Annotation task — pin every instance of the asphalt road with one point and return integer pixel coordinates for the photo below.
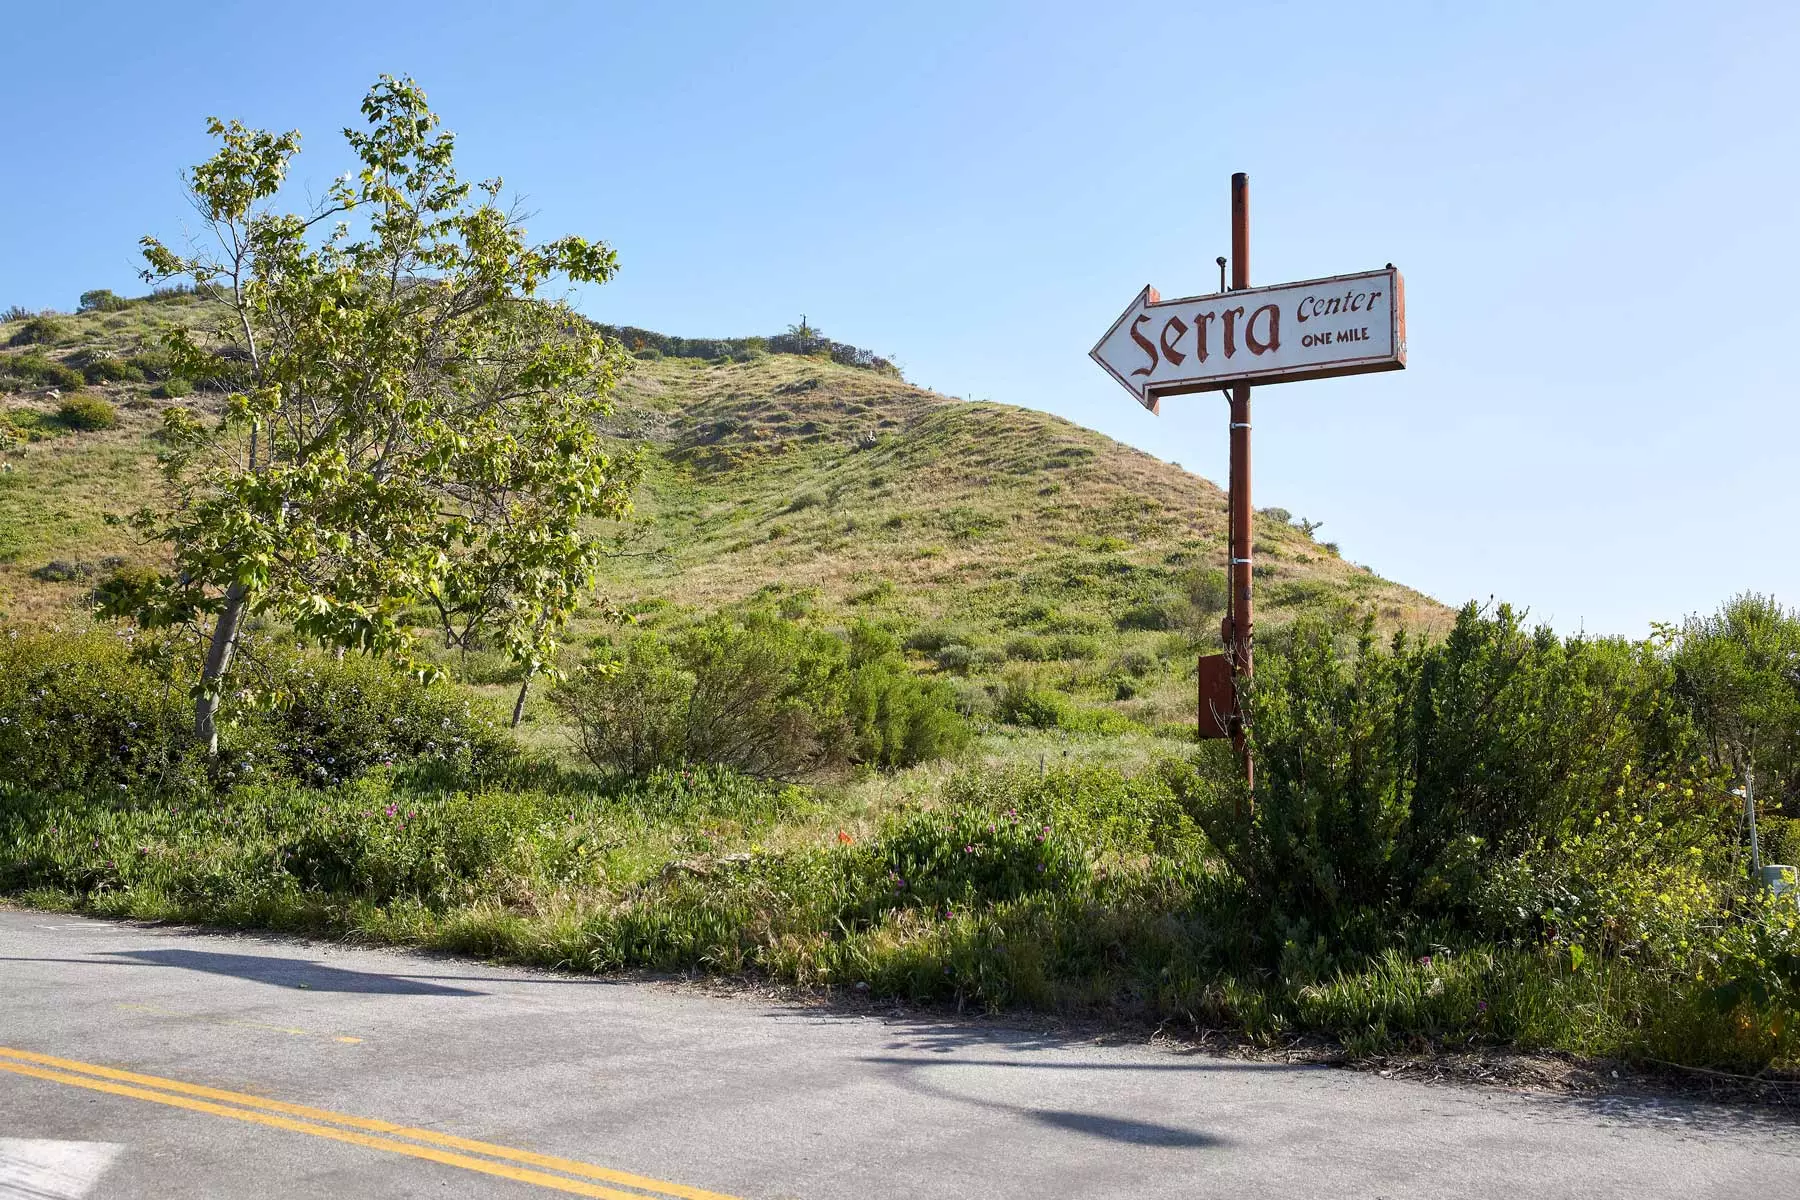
(155, 1062)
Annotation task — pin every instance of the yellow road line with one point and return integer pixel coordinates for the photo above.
(78, 1074)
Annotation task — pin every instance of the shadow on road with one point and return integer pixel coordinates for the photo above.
(290, 972)
(1120, 1129)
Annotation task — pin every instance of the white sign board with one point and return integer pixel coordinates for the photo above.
(1344, 325)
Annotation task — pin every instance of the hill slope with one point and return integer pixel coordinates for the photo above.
(1002, 540)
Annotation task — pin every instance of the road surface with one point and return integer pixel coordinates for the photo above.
(157, 1062)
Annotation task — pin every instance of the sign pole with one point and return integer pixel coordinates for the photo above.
(1242, 539)
(1228, 341)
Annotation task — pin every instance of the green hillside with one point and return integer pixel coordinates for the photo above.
(998, 540)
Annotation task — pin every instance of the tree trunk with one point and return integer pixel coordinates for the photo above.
(218, 662)
(519, 704)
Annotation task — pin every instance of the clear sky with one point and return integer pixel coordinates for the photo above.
(1593, 204)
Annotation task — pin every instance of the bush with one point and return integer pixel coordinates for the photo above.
(173, 388)
(954, 656)
(1023, 703)
(123, 582)
(61, 571)
(1390, 785)
(87, 711)
(897, 718)
(83, 712)
(1157, 616)
(87, 413)
(34, 368)
(630, 714)
(769, 697)
(40, 331)
(111, 370)
(153, 364)
(1031, 648)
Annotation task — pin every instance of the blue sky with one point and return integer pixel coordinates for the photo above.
(1593, 204)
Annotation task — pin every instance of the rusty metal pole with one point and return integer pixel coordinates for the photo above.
(1242, 536)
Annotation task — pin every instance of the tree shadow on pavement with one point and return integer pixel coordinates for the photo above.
(289, 972)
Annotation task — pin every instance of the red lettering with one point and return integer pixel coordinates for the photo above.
(1201, 321)
(1169, 351)
(1231, 316)
(1143, 341)
(1270, 342)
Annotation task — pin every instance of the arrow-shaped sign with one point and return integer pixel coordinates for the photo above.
(1344, 325)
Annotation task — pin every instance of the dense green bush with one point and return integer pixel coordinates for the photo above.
(89, 413)
(85, 712)
(760, 694)
(111, 370)
(154, 364)
(1022, 702)
(897, 718)
(173, 388)
(96, 710)
(40, 331)
(1391, 784)
(34, 369)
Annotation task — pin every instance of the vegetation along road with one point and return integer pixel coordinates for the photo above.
(208, 1065)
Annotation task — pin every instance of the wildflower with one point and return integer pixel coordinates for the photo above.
(390, 810)
(844, 838)
(1481, 1006)
(1425, 960)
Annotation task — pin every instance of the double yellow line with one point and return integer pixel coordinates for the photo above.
(522, 1166)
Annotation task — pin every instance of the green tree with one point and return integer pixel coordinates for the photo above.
(409, 420)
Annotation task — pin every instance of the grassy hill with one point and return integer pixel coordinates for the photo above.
(999, 540)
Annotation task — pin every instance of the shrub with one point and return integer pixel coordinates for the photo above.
(954, 656)
(323, 721)
(1023, 703)
(758, 694)
(173, 388)
(122, 582)
(91, 710)
(897, 718)
(1208, 590)
(630, 714)
(34, 368)
(154, 364)
(1158, 616)
(811, 498)
(967, 856)
(83, 711)
(1028, 648)
(60, 571)
(111, 370)
(87, 413)
(1389, 785)
(40, 331)
(768, 697)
